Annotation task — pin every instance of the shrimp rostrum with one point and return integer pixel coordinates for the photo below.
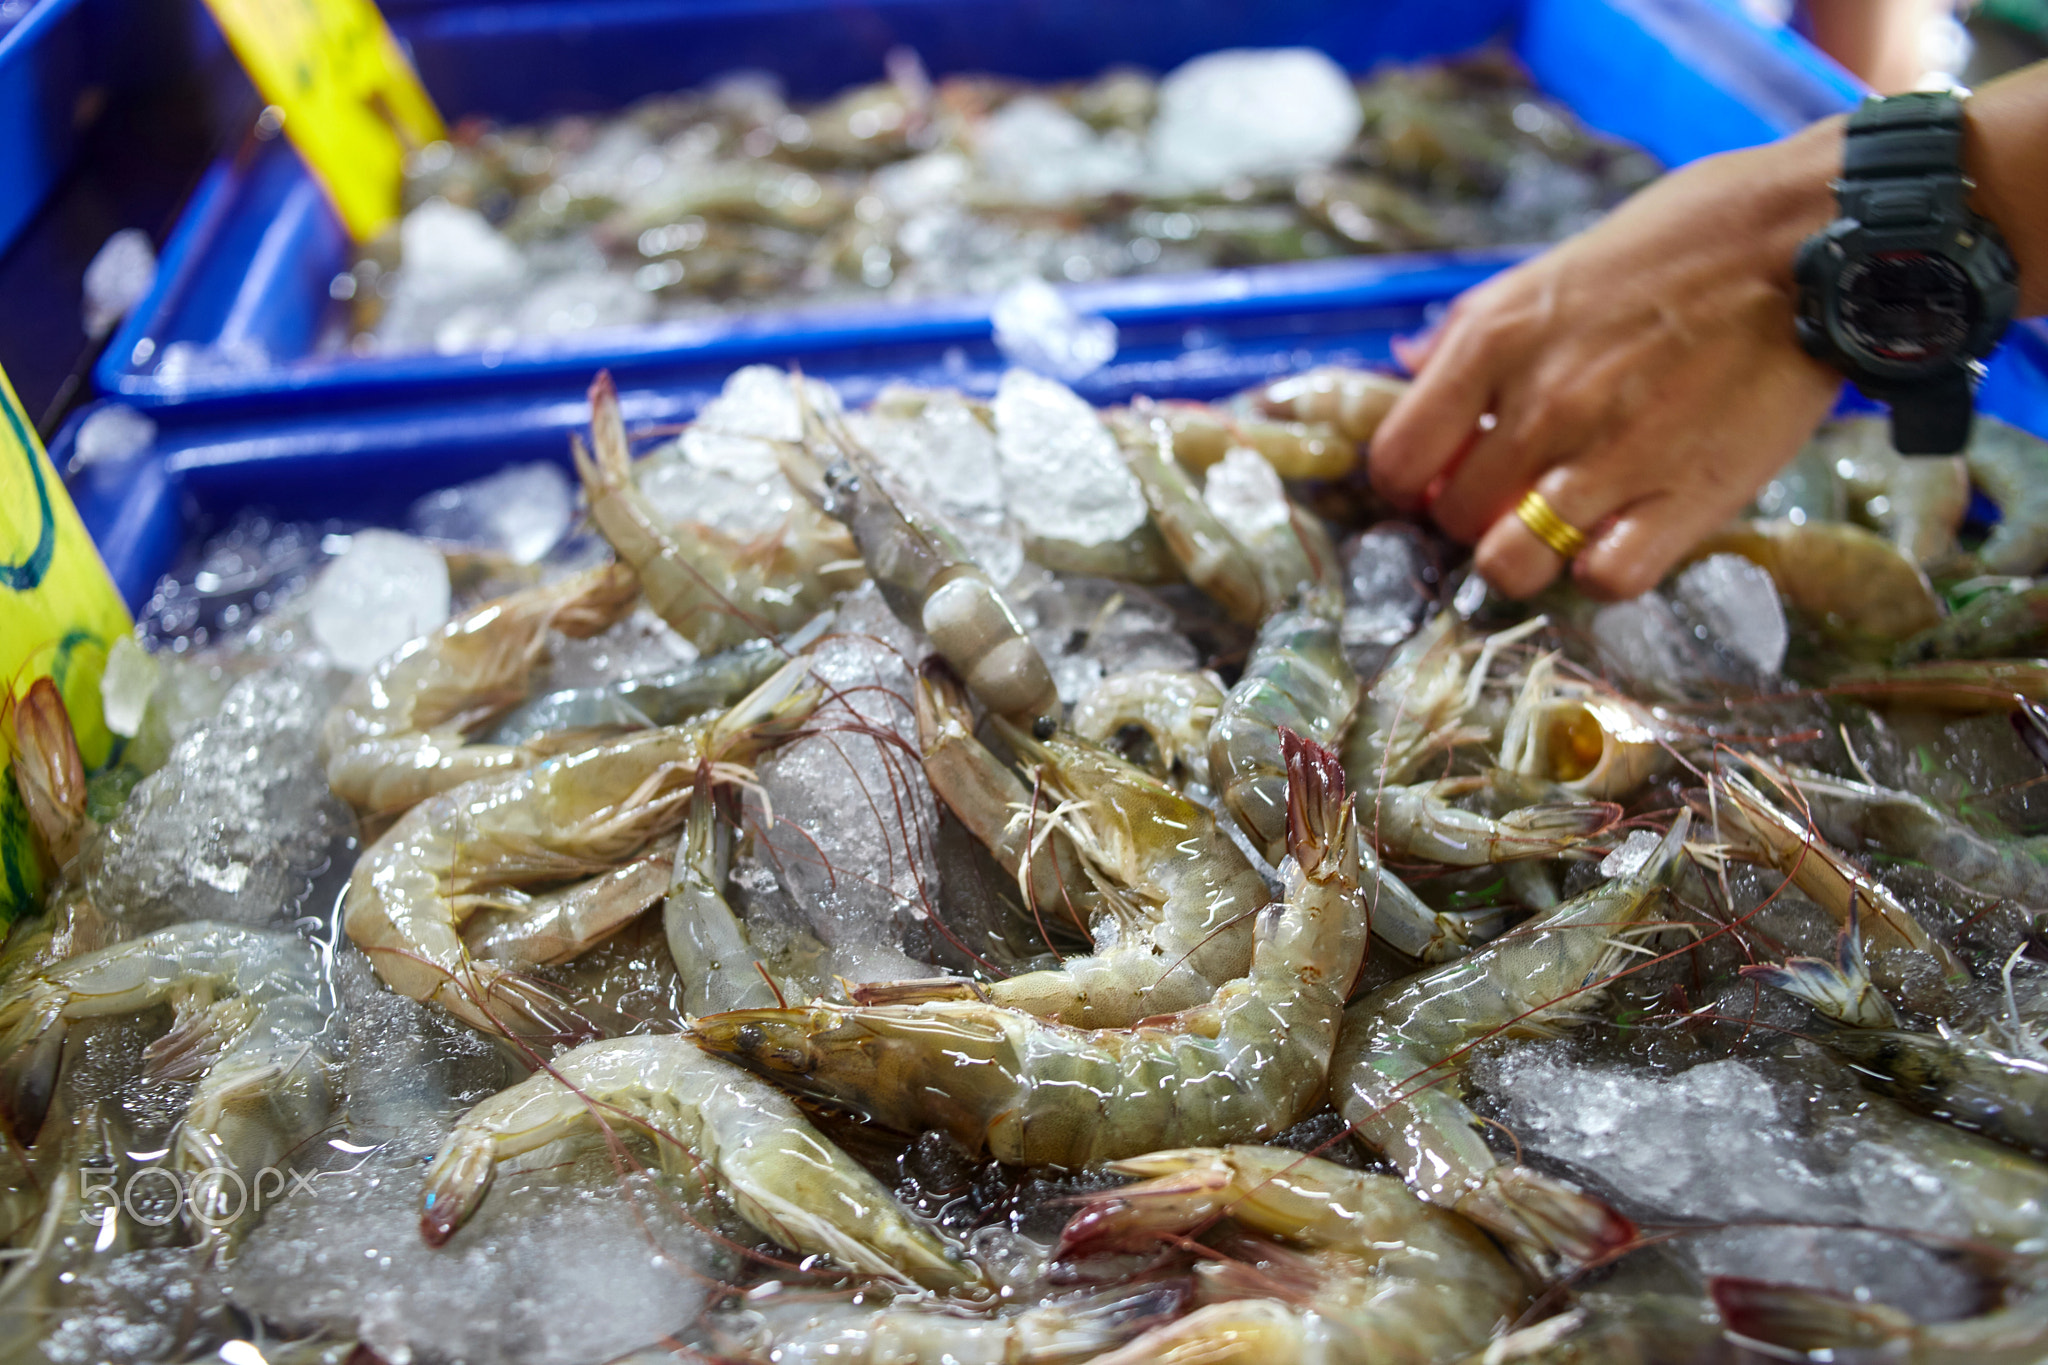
(1246, 1065)
(453, 899)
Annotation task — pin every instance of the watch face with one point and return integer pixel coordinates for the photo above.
(1906, 306)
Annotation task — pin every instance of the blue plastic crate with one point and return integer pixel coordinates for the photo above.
(249, 266)
(370, 462)
(53, 67)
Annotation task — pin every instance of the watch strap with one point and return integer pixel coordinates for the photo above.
(1916, 134)
(1933, 418)
(1902, 160)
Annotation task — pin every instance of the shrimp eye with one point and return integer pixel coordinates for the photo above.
(1043, 727)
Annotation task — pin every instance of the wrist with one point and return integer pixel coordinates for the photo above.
(1793, 195)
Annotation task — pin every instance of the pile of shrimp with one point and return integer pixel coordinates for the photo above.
(1190, 966)
(731, 196)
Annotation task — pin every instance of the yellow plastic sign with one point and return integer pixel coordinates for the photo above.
(59, 615)
(352, 104)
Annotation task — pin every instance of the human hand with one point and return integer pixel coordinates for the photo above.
(1643, 376)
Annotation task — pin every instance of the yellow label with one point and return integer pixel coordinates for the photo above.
(352, 103)
(59, 615)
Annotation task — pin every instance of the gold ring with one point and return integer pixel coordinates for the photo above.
(1547, 526)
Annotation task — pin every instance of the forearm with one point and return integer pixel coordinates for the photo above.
(2005, 150)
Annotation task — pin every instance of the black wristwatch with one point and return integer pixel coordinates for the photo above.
(1907, 290)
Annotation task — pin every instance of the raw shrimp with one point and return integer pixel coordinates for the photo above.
(48, 772)
(1996, 1084)
(250, 1027)
(1831, 1326)
(1584, 740)
(1856, 815)
(715, 589)
(1968, 688)
(1166, 896)
(1355, 402)
(1621, 1329)
(713, 956)
(1297, 678)
(1420, 822)
(1417, 707)
(2010, 618)
(2012, 466)
(1850, 580)
(925, 575)
(1918, 502)
(659, 699)
(718, 1129)
(1174, 707)
(1394, 1073)
(1203, 435)
(1379, 1275)
(471, 850)
(1213, 558)
(1762, 831)
(1066, 1331)
(1247, 1064)
(396, 736)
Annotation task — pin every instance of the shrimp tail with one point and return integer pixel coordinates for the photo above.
(1319, 814)
(1842, 989)
(606, 596)
(456, 1184)
(28, 1081)
(48, 770)
(1802, 1319)
(1239, 1332)
(1184, 1189)
(609, 462)
(1531, 1210)
(1558, 824)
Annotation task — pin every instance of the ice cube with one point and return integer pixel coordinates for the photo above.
(1244, 493)
(583, 301)
(1390, 585)
(1065, 477)
(760, 400)
(523, 510)
(1738, 603)
(1644, 639)
(385, 589)
(1035, 150)
(1631, 856)
(121, 272)
(854, 817)
(922, 182)
(125, 685)
(1037, 328)
(1252, 112)
(451, 250)
(236, 821)
(1725, 1142)
(945, 459)
(111, 434)
(550, 1271)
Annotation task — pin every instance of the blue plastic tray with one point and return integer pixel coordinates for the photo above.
(371, 462)
(52, 62)
(250, 263)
